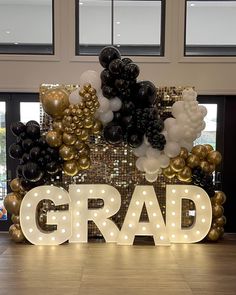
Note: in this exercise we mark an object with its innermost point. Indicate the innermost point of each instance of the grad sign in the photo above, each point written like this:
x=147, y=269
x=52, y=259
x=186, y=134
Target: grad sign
x=72, y=224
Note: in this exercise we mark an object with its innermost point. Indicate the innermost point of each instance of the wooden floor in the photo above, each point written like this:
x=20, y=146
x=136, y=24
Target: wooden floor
x=108, y=269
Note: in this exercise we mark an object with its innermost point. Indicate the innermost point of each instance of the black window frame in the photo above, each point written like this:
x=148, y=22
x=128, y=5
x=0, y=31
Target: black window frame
x=31, y=48
x=206, y=50
x=130, y=50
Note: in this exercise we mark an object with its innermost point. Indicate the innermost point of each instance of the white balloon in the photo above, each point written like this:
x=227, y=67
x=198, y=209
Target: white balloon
x=151, y=177
x=140, y=163
x=106, y=117
x=104, y=104
x=141, y=150
x=164, y=161
x=169, y=122
x=186, y=144
x=153, y=153
x=177, y=108
x=203, y=126
x=151, y=165
x=175, y=133
x=91, y=77
x=172, y=149
x=115, y=104
x=203, y=110
x=182, y=118
x=146, y=141
x=74, y=97
x=189, y=94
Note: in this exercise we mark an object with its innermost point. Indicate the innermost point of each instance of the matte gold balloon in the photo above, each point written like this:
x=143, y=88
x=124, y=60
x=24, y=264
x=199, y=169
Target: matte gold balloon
x=12, y=203
x=168, y=172
x=84, y=135
x=88, y=123
x=217, y=211
x=183, y=153
x=213, y=235
x=71, y=167
x=16, y=233
x=69, y=139
x=193, y=161
x=200, y=151
x=84, y=162
x=97, y=127
x=219, y=198
x=54, y=138
x=67, y=152
x=205, y=166
x=214, y=157
x=185, y=174
x=55, y=101
x=15, y=185
x=57, y=125
x=177, y=164
x=209, y=147
x=220, y=221
x=15, y=219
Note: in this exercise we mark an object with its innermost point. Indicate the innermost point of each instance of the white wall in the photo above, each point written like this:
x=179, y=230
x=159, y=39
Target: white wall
x=209, y=75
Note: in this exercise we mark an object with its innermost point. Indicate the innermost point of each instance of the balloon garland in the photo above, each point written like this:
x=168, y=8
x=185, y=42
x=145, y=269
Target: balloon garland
x=124, y=110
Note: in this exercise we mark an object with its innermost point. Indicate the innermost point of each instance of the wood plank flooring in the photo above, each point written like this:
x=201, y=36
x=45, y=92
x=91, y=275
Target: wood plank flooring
x=108, y=269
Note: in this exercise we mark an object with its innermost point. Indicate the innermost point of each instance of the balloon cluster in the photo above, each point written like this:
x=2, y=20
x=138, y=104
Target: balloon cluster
x=72, y=127
x=219, y=220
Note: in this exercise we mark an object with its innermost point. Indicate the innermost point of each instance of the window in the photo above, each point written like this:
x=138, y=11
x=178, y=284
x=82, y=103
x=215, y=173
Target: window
x=210, y=28
x=26, y=27
x=135, y=27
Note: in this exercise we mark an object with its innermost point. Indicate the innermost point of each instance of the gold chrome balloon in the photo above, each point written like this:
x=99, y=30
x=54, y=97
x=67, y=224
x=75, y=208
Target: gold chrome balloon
x=183, y=153
x=67, y=152
x=92, y=91
x=87, y=97
x=55, y=101
x=212, y=167
x=205, y=166
x=79, y=145
x=88, y=123
x=84, y=135
x=193, y=161
x=71, y=167
x=200, y=151
x=69, y=139
x=15, y=185
x=54, y=138
x=220, y=221
x=79, y=113
x=87, y=86
x=177, y=164
x=213, y=235
x=168, y=172
x=15, y=219
x=214, y=157
x=84, y=162
x=57, y=125
x=82, y=92
x=209, y=147
x=85, y=151
x=217, y=211
x=16, y=233
x=12, y=203
x=185, y=174
x=219, y=198
x=97, y=127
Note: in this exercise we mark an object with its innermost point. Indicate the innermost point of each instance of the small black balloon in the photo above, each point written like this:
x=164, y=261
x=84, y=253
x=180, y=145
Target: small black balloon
x=32, y=122
x=134, y=138
x=42, y=142
x=107, y=78
x=113, y=133
x=32, y=172
x=17, y=128
x=25, y=158
x=128, y=107
x=131, y=71
x=121, y=84
x=127, y=121
x=146, y=94
x=117, y=116
x=107, y=55
x=19, y=169
x=35, y=153
x=15, y=151
x=108, y=92
x=33, y=131
x=48, y=158
x=116, y=66
x=126, y=60
x=23, y=135
x=41, y=161
x=53, y=153
x=27, y=144
x=52, y=168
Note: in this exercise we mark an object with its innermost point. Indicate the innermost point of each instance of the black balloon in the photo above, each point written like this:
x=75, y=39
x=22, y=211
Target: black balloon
x=108, y=92
x=53, y=153
x=23, y=136
x=116, y=66
x=15, y=151
x=42, y=142
x=32, y=122
x=107, y=55
x=134, y=138
x=33, y=131
x=146, y=94
x=52, y=167
x=106, y=77
x=127, y=121
x=117, y=116
x=26, y=185
x=130, y=71
x=27, y=144
x=113, y=133
x=25, y=158
x=19, y=169
x=32, y=172
x=41, y=161
x=17, y=128
x=125, y=94
x=128, y=107
x=35, y=153
x=126, y=60
x=121, y=84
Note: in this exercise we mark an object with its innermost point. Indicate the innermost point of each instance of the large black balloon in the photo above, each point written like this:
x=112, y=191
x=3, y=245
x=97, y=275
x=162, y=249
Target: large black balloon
x=35, y=153
x=146, y=94
x=107, y=55
x=33, y=131
x=126, y=60
x=108, y=92
x=15, y=151
x=17, y=128
x=130, y=71
x=116, y=66
x=113, y=133
x=32, y=122
x=23, y=135
x=32, y=172
x=27, y=144
x=134, y=138
x=106, y=77
x=42, y=142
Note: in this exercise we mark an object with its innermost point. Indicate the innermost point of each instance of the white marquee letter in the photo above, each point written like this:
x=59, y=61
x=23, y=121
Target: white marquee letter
x=203, y=218
x=62, y=219
x=155, y=227
x=80, y=194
